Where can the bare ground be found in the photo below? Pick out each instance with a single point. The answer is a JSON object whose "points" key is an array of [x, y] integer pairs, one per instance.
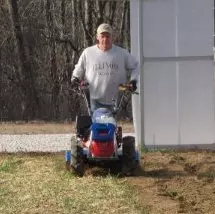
{"points": [[177, 182], [41, 127], [167, 182]]}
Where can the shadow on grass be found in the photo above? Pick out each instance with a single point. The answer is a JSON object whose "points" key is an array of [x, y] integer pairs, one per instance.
{"points": [[159, 173], [115, 169], [104, 169], [138, 172]]}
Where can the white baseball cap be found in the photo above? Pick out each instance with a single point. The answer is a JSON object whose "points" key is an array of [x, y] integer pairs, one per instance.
{"points": [[102, 28]]}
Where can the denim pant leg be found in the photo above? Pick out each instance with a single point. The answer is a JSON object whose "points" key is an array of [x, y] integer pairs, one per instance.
{"points": [[95, 105]]}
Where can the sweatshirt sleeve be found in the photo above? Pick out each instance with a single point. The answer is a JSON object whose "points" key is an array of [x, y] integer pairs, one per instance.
{"points": [[132, 66], [80, 67]]}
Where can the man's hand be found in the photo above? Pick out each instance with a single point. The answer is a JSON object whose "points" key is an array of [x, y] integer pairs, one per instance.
{"points": [[133, 85], [75, 83]]}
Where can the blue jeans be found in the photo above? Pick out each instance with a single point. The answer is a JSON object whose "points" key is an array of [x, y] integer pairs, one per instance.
{"points": [[94, 104]]}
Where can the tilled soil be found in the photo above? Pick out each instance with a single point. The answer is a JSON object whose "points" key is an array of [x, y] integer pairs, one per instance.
{"points": [[173, 182], [177, 182]]}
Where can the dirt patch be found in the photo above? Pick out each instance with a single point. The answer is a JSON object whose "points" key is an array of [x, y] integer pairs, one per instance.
{"points": [[177, 182], [172, 182]]}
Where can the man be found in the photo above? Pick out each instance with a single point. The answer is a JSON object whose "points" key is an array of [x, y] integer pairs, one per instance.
{"points": [[104, 66]]}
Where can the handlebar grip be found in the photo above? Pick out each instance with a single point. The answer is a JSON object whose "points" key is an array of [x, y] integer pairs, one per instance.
{"points": [[128, 87]]}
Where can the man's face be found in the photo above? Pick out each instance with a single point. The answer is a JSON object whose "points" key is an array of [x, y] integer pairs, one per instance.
{"points": [[104, 41]]}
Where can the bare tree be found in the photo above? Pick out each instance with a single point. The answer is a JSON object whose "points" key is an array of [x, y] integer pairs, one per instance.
{"points": [[31, 99], [48, 37]]}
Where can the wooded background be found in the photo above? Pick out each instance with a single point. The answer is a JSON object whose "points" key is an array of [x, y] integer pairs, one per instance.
{"points": [[40, 43]]}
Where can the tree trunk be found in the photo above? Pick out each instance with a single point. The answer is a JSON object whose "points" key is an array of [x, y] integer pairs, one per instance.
{"points": [[122, 24], [101, 9], [89, 22], [31, 99], [85, 8], [1, 92], [55, 85], [127, 36], [112, 5]]}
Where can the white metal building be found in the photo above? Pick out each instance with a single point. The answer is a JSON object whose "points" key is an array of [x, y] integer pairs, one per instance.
{"points": [[173, 40]]}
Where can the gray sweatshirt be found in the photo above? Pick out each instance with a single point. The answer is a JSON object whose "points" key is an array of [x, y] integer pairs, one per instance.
{"points": [[105, 70]]}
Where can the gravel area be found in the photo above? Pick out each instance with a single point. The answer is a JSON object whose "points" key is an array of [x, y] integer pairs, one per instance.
{"points": [[36, 142]]}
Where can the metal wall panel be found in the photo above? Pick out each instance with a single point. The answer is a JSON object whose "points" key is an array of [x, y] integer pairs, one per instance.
{"points": [[158, 28], [160, 107], [195, 27], [175, 38], [196, 102]]}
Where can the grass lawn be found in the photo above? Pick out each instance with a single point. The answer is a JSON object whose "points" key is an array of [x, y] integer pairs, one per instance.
{"points": [[36, 183]]}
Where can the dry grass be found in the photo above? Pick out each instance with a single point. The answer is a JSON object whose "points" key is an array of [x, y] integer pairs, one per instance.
{"points": [[37, 127], [41, 127], [40, 184]]}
